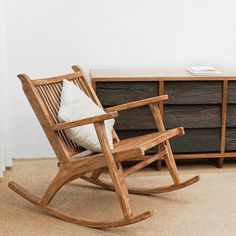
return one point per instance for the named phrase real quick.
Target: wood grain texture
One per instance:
(57, 79)
(147, 141)
(158, 74)
(161, 107)
(89, 120)
(223, 121)
(231, 116)
(116, 93)
(126, 134)
(203, 155)
(197, 141)
(144, 163)
(232, 92)
(44, 97)
(194, 140)
(191, 116)
(206, 97)
(116, 173)
(180, 92)
(169, 157)
(73, 219)
(230, 144)
(193, 92)
(145, 190)
(139, 103)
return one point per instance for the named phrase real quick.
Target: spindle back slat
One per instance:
(44, 96)
(50, 92)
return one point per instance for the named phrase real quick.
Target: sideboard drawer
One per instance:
(192, 116)
(141, 118)
(194, 140)
(231, 115)
(230, 140)
(189, 116)
(115, 93)
(193, 92)
(197, 141)
(232, 92)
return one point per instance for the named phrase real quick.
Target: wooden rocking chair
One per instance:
(44, 97)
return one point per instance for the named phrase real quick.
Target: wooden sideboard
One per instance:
(204, 105)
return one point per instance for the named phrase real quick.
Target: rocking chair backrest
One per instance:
(44, 97)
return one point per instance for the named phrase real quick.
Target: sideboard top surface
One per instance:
(158, 74)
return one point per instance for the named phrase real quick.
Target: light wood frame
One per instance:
(44, 97)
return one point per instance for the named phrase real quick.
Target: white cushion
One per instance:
(76, 105)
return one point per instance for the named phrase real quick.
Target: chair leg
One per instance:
(170, 162)
(57, 183)
(169, 157)
(122, 192)
(115, 172)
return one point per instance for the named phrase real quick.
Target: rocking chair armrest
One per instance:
(139, 103)
(86, 121)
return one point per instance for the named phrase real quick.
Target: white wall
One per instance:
(46, 37)
(5, 159)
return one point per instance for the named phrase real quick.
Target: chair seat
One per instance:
(139, 144)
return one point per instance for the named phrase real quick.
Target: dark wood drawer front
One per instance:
(231, 115)
(195, 103)
(115, 93)
(194, 92)
(232, 92)
(135, 119)
(230, 140)
(195, 140)
(193, 116)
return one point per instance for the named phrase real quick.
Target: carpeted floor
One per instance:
(206, 208)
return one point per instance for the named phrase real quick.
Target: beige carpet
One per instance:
(206, 208)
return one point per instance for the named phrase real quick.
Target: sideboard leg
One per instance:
(158, 166)
(223, 122)
(220, 162)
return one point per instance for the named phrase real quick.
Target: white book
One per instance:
(203, 70)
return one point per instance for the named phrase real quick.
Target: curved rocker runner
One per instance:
(44, 97)
(144, 191)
